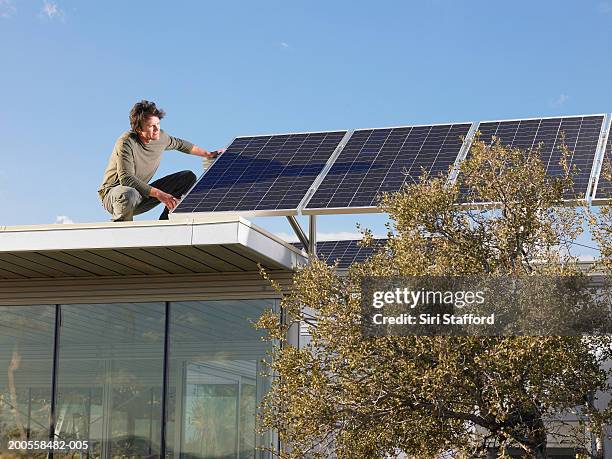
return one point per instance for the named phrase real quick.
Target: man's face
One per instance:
(149, 129)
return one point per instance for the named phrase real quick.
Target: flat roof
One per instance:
(226, 244)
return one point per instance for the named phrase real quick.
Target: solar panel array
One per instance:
(275, 174)
(381, 160)
(344, 252)
(580, 134)
(262, 173)
(604, 187)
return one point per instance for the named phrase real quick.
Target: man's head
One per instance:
(144, 119)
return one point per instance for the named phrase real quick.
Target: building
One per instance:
(136, 339)
(111, 328)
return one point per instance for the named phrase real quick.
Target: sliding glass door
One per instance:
(102, 377)
(110, 377)
(26, 375)
(216, 380)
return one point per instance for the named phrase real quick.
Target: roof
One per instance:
(230, 244)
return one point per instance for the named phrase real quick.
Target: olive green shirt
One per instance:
(133, 163)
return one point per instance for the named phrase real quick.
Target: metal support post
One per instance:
(298, 231)
(312, 235)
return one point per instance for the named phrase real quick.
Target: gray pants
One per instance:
(123, 202)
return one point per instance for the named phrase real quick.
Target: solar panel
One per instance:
(581, 136)
(267, 175)
(381, 160)
(344, 252)
(604, 186)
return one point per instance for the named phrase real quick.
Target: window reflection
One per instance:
(215, 380)
(26, 362)
(110, 378)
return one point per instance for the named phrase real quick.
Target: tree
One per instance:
(601, 228)
(347, 396)
(601, 225)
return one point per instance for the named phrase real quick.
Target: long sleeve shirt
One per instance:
(133, 163)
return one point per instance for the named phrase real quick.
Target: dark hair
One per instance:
(141, 111)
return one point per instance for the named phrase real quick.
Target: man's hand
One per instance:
(166, 199)
(205, 153)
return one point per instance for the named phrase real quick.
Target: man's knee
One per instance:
(126, 195)
(123, 201)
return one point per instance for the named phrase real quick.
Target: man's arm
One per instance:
(195, 150)
(174, 143)
(165, 198)
(127, 177)
(126, 171)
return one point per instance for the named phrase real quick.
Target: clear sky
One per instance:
(70, 71)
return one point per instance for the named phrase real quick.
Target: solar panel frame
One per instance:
(587, 193)
(185, 215)
(306, 210)
(326, 169)
(605, 156)
(465, 149)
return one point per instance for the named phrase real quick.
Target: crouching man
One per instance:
(125, 190)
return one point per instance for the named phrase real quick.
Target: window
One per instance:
(215, 379)
(26, 369)
(109, 378)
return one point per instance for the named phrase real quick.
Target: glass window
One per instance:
(110, 378)
(26, 367)
(215, 379)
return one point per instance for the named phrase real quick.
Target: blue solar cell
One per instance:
(262, 173)
(580, 134)
(344, 252)
(378, 160)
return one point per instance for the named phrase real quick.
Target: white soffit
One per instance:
(233, 233)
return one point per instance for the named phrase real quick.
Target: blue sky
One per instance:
(71, 70)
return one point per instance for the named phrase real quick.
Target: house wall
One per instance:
(110, 366)
(171, 287)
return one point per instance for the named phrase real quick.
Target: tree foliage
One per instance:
(346, 396)
(601, 224)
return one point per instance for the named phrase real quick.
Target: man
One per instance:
(125, 191)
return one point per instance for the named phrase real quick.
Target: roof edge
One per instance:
(144, 234)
